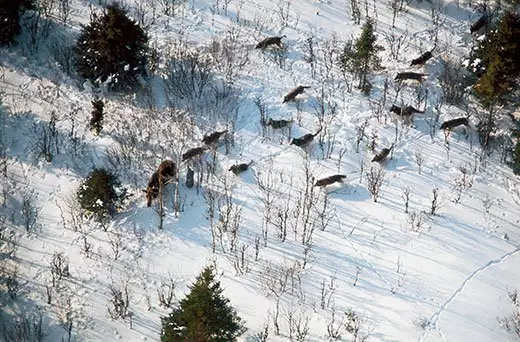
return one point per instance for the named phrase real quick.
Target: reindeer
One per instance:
(194, 152)
(405, 111)
(213, 138)
(383, 154)
(422, 59)
(166, 172)
(330, 180)
(294, 92)
(414, 76)
(278, 123)
(480, 23)
(270, 41)
(448, 125)
(239, 168)
(304, 140)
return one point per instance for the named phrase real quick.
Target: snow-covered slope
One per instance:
(408, 275)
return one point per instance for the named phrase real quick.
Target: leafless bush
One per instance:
(419, 159)
(29, 211)
(310, 50)
(327, 291)
(119, 301)
(187, 72)
(262, 109)
(395, 42)
(435, 204)
(454, 81)
(397, 7)
(375, 178)
(406, 198)
(9, 277)
(298, 322)
(357, 326)
(61, 50)
(166, 292)
(262, 335)
(462, 183)
(511, 323)
(47, 142)
(59, 268)
(266, 184)
(275, 281)
(284, 12)
(334, 327)
(170, 7)
(241, 260)
(71, 214)
(230, 54)
(116, 243)
(355, 11)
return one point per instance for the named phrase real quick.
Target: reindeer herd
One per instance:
(167, 170)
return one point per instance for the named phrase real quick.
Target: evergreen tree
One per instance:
(112, 46)
(361, 58)
(96, 121)
(204, 315)
(499, 60)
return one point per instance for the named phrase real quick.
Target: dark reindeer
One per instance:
(480, 23)
(166, 172)
(422, 59)
(383, 154)
(330, 180)
(448, 125)
(194, 152)
(270, 41)
(304, 140)
(294, 92)
(239, 168)
(278, 123)
(213, 138)
(405, 111)
(414, 76)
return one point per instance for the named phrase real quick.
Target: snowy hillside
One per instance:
(432, 259)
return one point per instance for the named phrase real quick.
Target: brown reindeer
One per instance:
(480, 23)
(213, 138)
(422, 59)
(330, 180)
(194, 152)
(270, 41)
(382, 154)
(414, 76)
(239, 168)
(294, 92)
(405, 111)
(448, 125)
(166, 172)
(304, 140)
(278, 123)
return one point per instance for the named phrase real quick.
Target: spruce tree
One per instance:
(361, 58)
(112, 46)
(205, 315)
(498, 57)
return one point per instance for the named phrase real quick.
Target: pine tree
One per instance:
(361, 58)
(96, 121)
(204, 315)
(112, 47)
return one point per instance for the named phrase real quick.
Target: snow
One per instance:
(452, 273)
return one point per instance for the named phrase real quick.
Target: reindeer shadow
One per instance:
(350, 192)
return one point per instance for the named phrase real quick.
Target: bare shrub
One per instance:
(166, 292)
(59, 268)
(29, 211)
(119, 306)
(454, 81)
(28, 325)
(187, 72)
(375, 178)
(435, 204)
(511, 323)
(357, 326)
(406, 198)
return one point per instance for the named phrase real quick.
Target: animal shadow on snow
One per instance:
(348, 191)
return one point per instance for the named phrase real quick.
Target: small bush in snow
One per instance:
(99, 195)
(112, 48)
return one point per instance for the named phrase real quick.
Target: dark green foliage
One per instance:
(98, 194)
(499, 55)
(361, 58)
(204, 315)
(112, 46)
(516, 158)
(96, 122)
(9, 20)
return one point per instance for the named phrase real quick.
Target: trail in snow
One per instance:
(434, 320)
